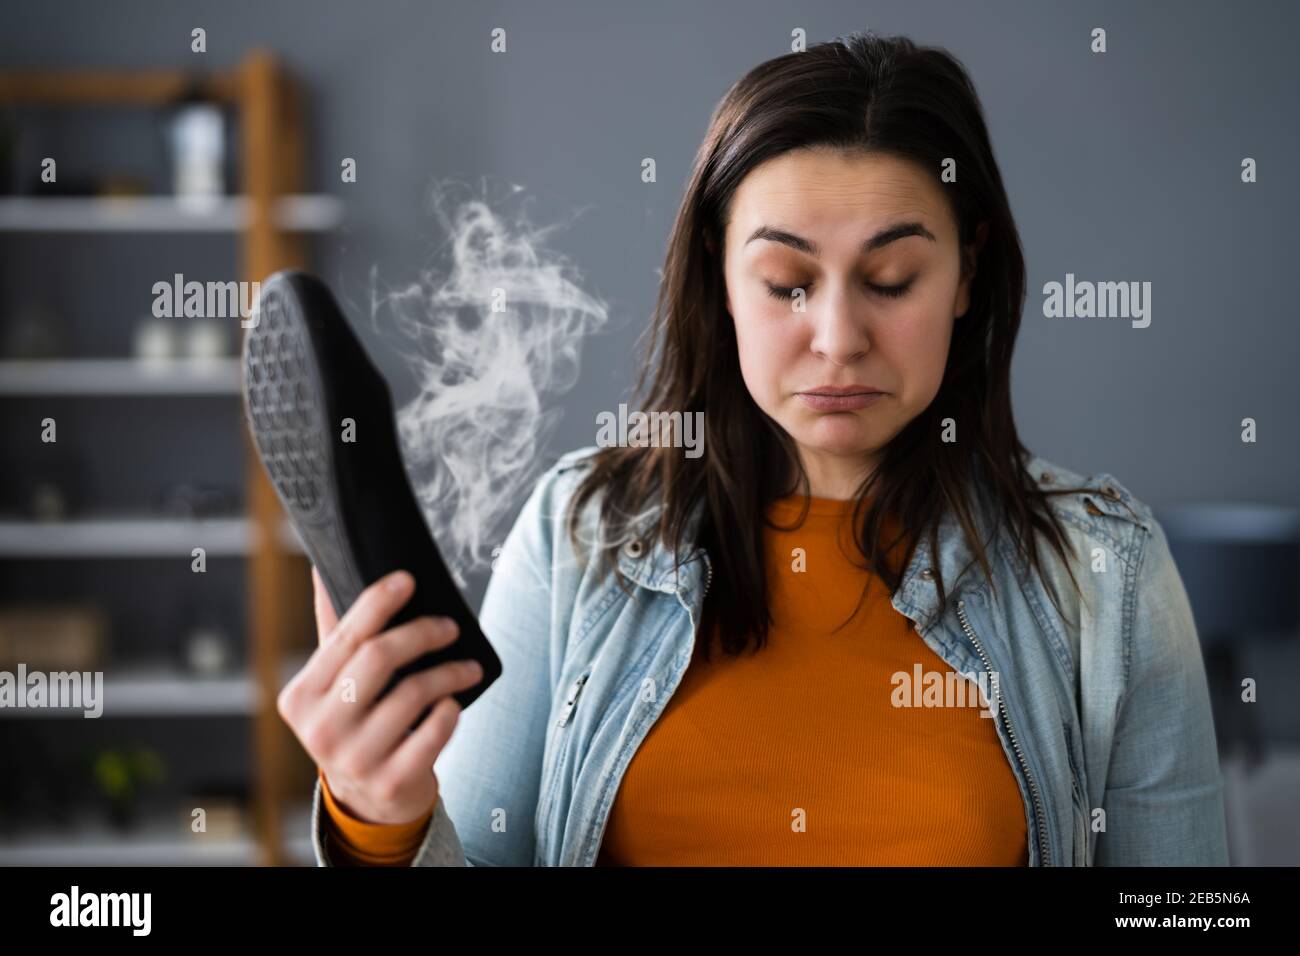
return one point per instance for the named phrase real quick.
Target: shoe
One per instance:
(351, 502)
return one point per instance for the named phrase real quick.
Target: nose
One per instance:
(839, 329)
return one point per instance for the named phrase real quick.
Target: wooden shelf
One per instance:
(116, 87)
(163, 214)
(109, 376)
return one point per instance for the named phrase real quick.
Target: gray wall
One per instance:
(1120, 166)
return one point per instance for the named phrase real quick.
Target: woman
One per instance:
(748, 656)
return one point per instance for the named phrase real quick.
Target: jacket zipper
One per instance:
(1044, 849)
(577, 685)
(572, 701)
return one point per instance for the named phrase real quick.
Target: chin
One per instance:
(837, 433)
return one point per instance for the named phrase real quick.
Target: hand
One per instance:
(378, 769)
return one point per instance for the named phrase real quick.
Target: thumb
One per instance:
(326, 619)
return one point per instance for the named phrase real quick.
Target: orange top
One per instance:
(354, 842)
(797, 755)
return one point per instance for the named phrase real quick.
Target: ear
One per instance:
(970, 260)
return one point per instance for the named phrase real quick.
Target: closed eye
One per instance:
(888, 291)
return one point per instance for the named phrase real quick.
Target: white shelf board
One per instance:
(134, 537)
(220, 376)
(297, 213)
(155, 843)
(164, 691)
(125, 537)
(96, 847)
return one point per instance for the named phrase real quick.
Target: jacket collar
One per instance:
(649, 564)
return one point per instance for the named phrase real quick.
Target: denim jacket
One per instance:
(1104, 715)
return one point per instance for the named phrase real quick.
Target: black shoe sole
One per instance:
(304, 372)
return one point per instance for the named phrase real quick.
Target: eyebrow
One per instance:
(883, 238)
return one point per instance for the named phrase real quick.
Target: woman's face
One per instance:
(872, 243)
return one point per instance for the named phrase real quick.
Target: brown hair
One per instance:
(862, 92)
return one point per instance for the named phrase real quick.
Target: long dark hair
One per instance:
(865, 92)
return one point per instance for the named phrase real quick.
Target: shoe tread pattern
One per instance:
(286, 414)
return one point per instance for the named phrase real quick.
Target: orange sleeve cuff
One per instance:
(358, 843)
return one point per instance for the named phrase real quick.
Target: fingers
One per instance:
(365, 618)
(388, 723)
(326, 619)
(374, 664)
(365, 753)
(416, 754)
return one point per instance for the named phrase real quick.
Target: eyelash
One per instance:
(889, 291)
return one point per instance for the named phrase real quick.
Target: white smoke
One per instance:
(473, 434)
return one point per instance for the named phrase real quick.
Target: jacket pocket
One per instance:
(1079, 808)
(555, 743)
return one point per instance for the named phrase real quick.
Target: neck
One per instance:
(836, 477)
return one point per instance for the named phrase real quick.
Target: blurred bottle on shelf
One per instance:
(198, 153)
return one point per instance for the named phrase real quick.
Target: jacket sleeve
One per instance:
(489, 773)
(1163, 799)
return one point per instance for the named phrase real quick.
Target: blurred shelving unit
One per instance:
(269, 219)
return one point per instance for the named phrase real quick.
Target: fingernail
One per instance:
(398, 581)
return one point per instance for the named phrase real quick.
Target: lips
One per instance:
(840, 398)
(837, 390)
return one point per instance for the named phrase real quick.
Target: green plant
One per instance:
(120, 775)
